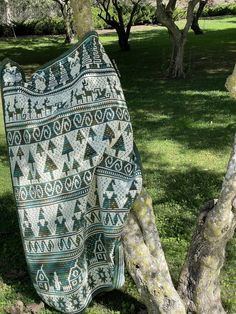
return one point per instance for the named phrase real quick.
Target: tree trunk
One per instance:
(9, 28)
(195, 24)
(199, 279)
(176, 67)
(123, 39)
(67, 15)
(145, 260)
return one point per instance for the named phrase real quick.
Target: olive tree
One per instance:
(198, 289)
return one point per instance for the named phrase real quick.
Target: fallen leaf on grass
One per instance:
(35, 308)
(17, 308)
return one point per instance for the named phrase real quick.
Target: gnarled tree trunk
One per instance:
(199, 290)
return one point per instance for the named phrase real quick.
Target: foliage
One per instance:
(183, 129)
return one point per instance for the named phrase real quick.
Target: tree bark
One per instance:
(199, 279)
(199, 290)
(67, 15)
(145, 260)
(9, 28)
(176, 67)
(195, 24)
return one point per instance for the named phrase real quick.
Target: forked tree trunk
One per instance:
(195, 24)
(199, 290)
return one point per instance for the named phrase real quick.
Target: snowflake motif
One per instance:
(75, 301)
(102, 274)
(61, 304)
(91, 281)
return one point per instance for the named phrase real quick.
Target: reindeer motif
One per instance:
(101, 93)
(47, 106)
(10, 113)
(78, 97)
(38, 110)
(18, 110)
(87, 93)
(118, 91)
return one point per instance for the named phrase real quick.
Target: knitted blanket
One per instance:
(75, 172)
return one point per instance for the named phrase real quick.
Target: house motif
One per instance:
(75, 277)
(99, 250)
(42, 279)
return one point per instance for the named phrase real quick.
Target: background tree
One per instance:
(195, 24)
(198, 290)
(66, 12)
(9, 27)
(178, 36)
(113, 11)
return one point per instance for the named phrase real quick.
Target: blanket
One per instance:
(75, 172)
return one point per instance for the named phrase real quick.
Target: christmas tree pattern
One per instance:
(119, 145)
(52, 80)
(131, 195)
(64, 75)
(30, 176)
(61, 227)
(65, 169)
(31, 160)
(90, 153)
(76, 165)
(128, 129)
(50, 167)
(108, 133)
(11, 155)
(43, 224)
(110, 196)
(28, 232)
(80, 137)
(51, 146)
(37, 176)
(20, 153)
(39, 150)
(67, 148)
(86, 59)
(17, 172)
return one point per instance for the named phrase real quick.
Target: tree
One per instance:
(50, 166)
(17, 172)
(108, 134)
(76, 165)
(30, 176)
(65, 169)
(39, 149)
(117, 21)
(198, 289)
(195, 24)
(80, 137)
(92, 134)
(119, 145)
(51, 146)
(66, 12)
(67, 148)
(178, 36)
(89, 154)
(31, 160)
(20, 152)
(8, 27)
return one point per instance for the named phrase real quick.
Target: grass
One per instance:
(184, 130)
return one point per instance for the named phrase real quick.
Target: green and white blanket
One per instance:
(75, 172)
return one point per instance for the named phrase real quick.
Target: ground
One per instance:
(184, 130)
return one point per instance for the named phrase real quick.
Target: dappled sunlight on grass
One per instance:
(184, 130)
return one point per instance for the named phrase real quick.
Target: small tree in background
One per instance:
(113, 13)
(195, 24)
(67, 16)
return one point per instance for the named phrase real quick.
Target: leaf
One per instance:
(35, 308)
(17, 308)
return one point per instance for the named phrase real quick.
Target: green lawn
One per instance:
(184, 130)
